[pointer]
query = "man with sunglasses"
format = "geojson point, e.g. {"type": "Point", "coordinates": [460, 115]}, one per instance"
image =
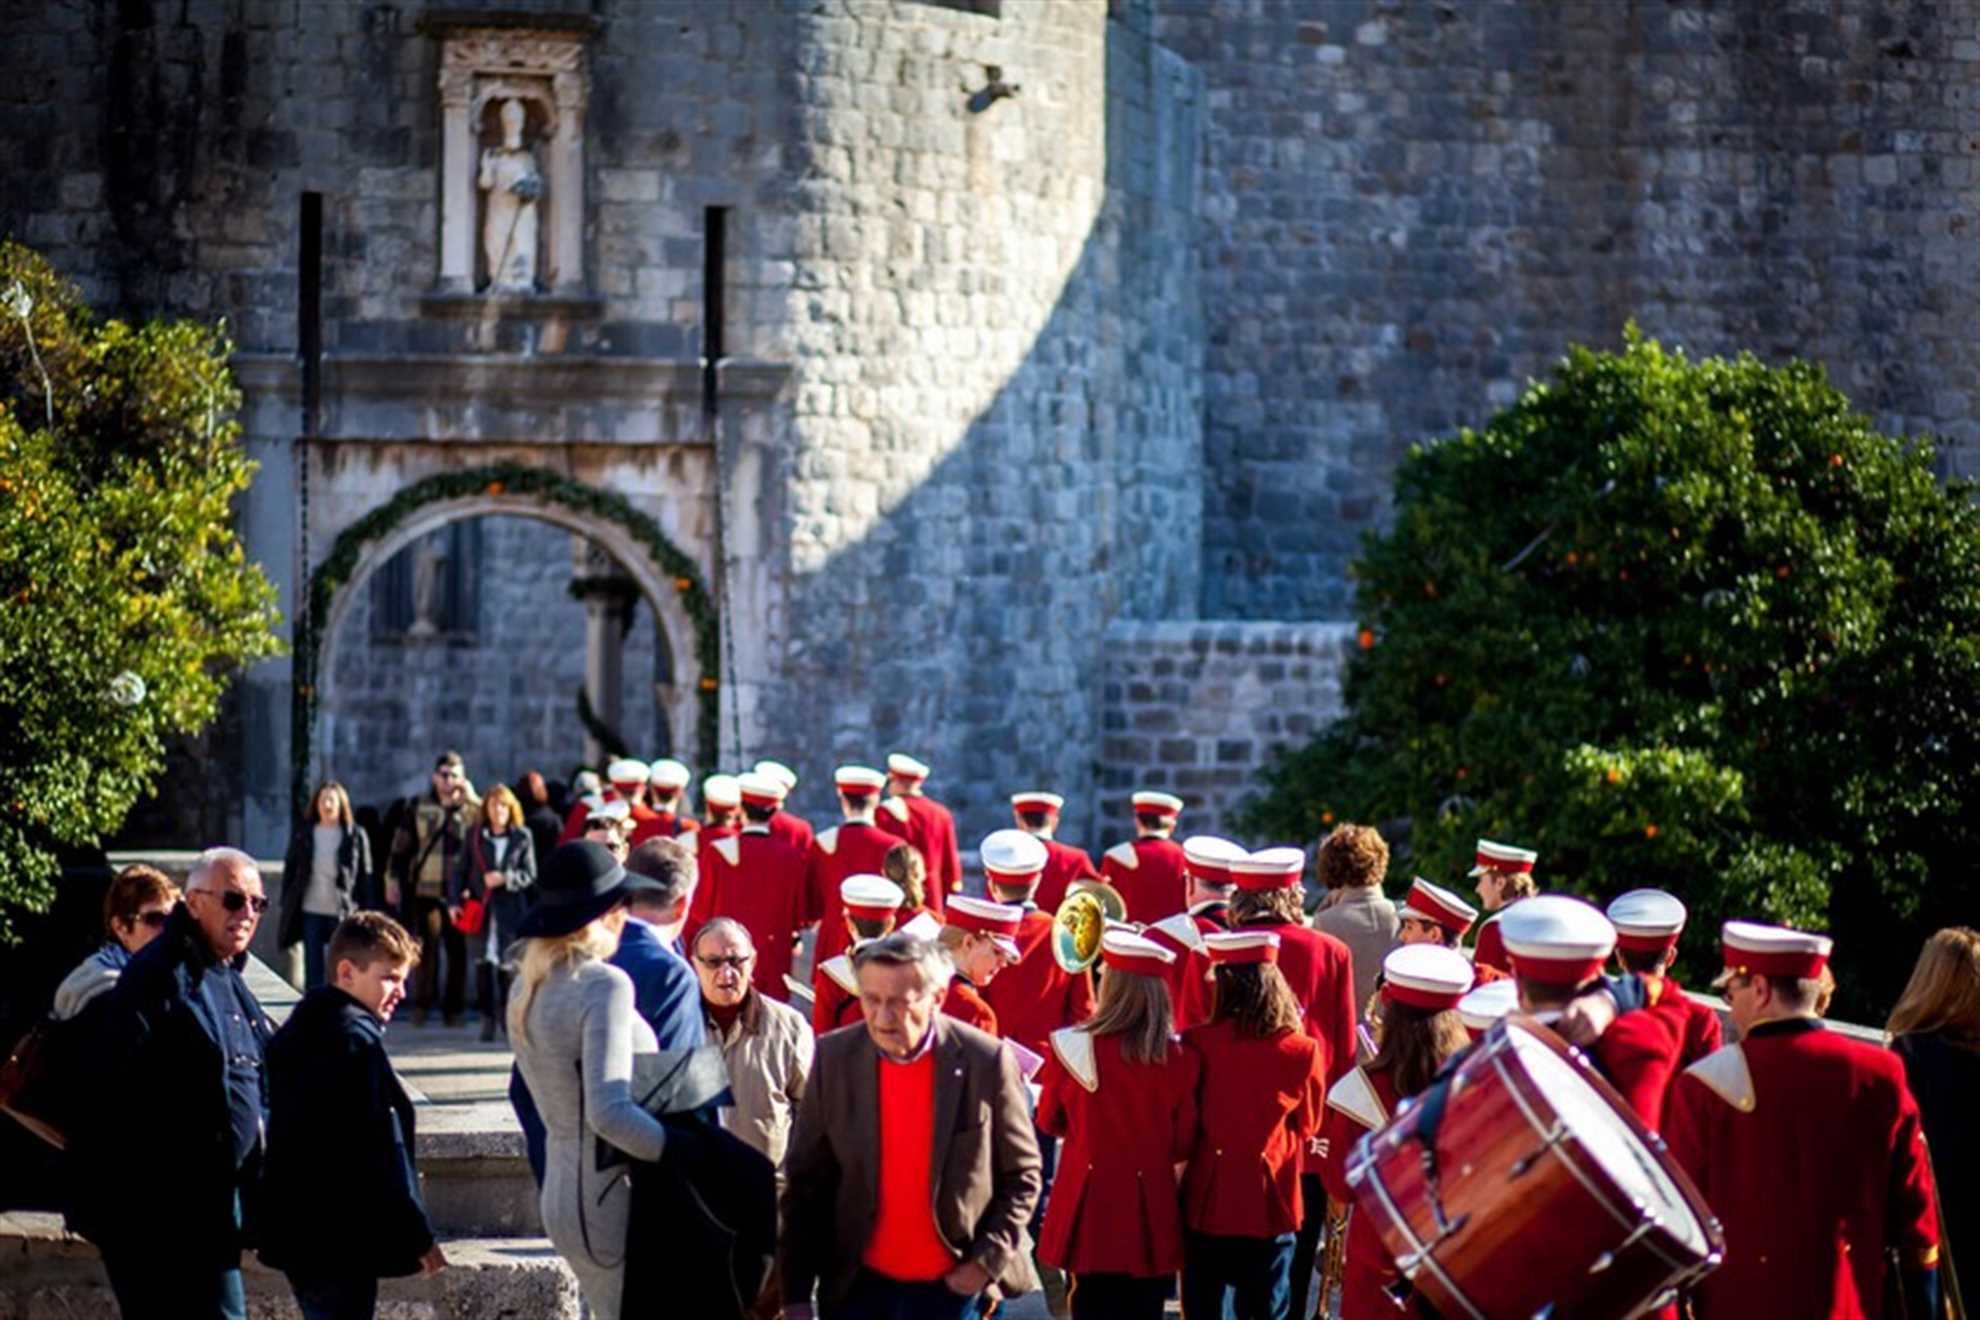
{"type": "Point", "coordinates": [182, 1036]}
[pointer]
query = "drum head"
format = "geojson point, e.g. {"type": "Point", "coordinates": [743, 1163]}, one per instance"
{"type": "Point", "coordinates": [1609, 1139]}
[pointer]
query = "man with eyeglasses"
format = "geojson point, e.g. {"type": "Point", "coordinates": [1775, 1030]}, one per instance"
{"type": "Point", "coordinates": [767, 1045]}
{"type": "Point", "coordinates": [181, 1036]}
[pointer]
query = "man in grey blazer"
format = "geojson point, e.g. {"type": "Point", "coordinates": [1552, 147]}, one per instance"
{"type": "Point", "coordinates": [913, 1168]}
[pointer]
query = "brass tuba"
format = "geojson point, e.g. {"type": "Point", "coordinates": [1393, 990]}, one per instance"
{"type": "Point", "coordinates": [1090, 906]}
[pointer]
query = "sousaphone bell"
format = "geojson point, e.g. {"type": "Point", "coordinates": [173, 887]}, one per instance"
{"type": "Point", "coordinates": [1090, 906]}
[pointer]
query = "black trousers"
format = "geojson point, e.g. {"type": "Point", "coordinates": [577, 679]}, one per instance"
{"type": "Point", "coordinates": [1119, 1296]}
{"type": "Point", "coordinates": [1306, 1246]}
{"type": "Point", "coordinates": [427, 919]}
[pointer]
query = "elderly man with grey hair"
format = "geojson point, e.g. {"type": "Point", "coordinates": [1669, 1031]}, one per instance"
{"type": "Point", "coordinates": [169, 1133]}
{"type": "Point", "coordinates": [914, 1168]}
{"type": "Point", "coordinates": [767, 1045]}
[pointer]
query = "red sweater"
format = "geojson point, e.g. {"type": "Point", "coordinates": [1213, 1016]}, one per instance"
{"type": "Point", "coordinates": [905, 1244]}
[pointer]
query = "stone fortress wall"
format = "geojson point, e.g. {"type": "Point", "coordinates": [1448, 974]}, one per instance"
{"type": "Point", "coordinates": [1070, 370]}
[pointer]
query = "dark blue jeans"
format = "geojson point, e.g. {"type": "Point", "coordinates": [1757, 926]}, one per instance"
{"type": "Point", "coordinates": [876, 1297]}
{"type": "Point", "coordinates": [1237, 1278]}
{"type": "Point", "coordinates": [152, 1284]}
{"type": "Point", "coordinates": [341, 1298]}
{"type": "Point", "coordinates": [1119, 1297]}
{"type": "Point", "coordinates": [317, 931]}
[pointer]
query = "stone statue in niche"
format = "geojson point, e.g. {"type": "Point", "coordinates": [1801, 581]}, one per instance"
{"type": "Point", "coordinates": [513, 186]}
{"type": "Point", "coordinates": [428, 563]}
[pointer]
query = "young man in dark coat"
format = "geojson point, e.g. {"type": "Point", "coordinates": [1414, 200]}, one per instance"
{"type": "Point", "coordinates": [340, 1197]}
{"type": "Point", "coordinates": [173, 1079]}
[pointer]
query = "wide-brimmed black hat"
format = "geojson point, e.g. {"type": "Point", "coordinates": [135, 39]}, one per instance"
{"type": "Point", "coordinates": [580, 883]}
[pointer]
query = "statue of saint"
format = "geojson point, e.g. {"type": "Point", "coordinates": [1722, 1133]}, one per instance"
{"type": "Point", "coordinates": [429, 560]}
{"type": "Point", "coordinates": [513, 185]}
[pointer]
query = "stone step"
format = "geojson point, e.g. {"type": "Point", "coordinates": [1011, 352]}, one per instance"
{"type": "Point", "coordinates": [47, 1272]}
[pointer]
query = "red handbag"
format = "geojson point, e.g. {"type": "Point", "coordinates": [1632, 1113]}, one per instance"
{"type": "Point", "coordinates": [473, 916]}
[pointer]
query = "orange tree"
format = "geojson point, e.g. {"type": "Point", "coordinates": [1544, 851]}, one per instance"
{"type": "Point", "coordinates": [125, 598]}
{"type": "Point", "coordinates": [1686, 624]}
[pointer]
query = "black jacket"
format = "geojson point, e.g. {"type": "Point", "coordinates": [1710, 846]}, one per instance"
{"type": "Point", "coordinates": [153, 1154]}
{"type": "Point", "coordinates": [508, 903]}
{"type": "Point", "coordinates": [355, 881]}
{"type": "Point", "coordinates": [339, 1190]}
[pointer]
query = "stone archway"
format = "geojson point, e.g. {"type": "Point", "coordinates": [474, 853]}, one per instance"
{"type": "Point", "coordinates": [666, 577]}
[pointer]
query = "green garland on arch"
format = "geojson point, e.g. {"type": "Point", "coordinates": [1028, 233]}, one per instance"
{"type": "Point", "coordinates": [500, 479]}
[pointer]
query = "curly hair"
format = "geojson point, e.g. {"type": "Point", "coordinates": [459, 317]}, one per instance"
{"type": "Point", "coordinates": [1353, 857]}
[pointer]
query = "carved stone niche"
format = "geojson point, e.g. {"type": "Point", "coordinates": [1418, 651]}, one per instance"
{"type": "Point", "coordinates": [513, 90]}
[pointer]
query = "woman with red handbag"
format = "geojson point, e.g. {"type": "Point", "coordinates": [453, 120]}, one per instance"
{"type": "Point", "coordinates": [487, 896]}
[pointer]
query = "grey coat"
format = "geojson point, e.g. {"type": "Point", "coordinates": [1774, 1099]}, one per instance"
{"type": "Point", "coordinates": [582, 1024]}
{"type": "Point", "coordinates": [1365, 920]}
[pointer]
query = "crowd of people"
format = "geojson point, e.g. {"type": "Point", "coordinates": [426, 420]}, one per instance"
{"type": "Point", "coordinates": [963, 1102]}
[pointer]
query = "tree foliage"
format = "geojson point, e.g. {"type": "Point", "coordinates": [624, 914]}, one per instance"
{"type": "Point", "coordinates": [1686, 624]}
{"type": "Point", "coordinates": [125, 598]}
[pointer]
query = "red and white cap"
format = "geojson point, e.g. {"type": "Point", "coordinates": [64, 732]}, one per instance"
{"type": "Point", "coordinates": [1177, 932]}
{"type": "Point", "coordinates": [760, 790]}
{"type": "Point", "coordinates": [1647, 920]}
{"type": "Point", "coordinates": [1242, 946]}
{"type": "Point", "coordinates": [923, 925]}
{"type": "Point", "coordinates": [1502, 857]}
{"type": "Point", "coordinates": [721, 791]}
{"type": "Point", "coordinates": [858, 780]}
{"type": "Point", "coordinates": [598, 809]}
{"type": "Point", "coordinates": [1124, 951]}
{"type": "Point", "coordinates": [1751, 949]}
{"type": "Point", "coordinates": [1208, 858]}
{"type": "Point", "coordinates": [626, 771]}
{"type": "Point", "coordinates": [1558, 939]}
{"type": "Point", "coordinates": [1011, 857]}
{"type": "Point", "coordinates": [1485, 1004]}
{"type": "Point", "coordinates": [1438, 906]}
{"type": "Point", "coordinates": [669, 774]}
{"type": "Point", "coordinates": [903, 766]}
{"type": "Point", "coordinates": [1148, 802]}
{"type": "Point", "coordinates": [586, 782]}
{"type": "Point", "coordinates": [870, 897]}
{"type": "Point", "coordinates": [1269, 868]}
{"type": "Point", "coordinates": [778, 771]}
{"type": "Point", "coordinates": [1426, 976]}
{"type": "Point", "coordinates": [999, 921]}
{"type": "Point", "coordinates": [1036, 800]}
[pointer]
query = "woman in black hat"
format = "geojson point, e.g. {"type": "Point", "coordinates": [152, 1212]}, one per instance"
{"type": "Point", "coordinates": [575, 1031]}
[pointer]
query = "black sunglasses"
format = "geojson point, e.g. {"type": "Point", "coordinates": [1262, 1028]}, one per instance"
{"type": "Point", "coordinates": [735, 960]}
{"type": "Point", "coordinates": [234, 900]}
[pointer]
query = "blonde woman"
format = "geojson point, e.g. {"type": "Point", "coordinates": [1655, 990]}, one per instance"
{"type": "Point", "coordinates": [326, 876]}
{"type": "Point", "coordinates": [575, 1031]}
{"type": "Point", "coordinates": [497, 870]}
{"type": "Point", "coordinates": [1935, 1029]}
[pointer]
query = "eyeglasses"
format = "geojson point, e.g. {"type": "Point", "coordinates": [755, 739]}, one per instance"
{"type": "Point", "coordinates": [234, 900]}
{"type": "Point", "coordinates": [735, 960]}
{"type": "Point", "coordinates": [155, 920]}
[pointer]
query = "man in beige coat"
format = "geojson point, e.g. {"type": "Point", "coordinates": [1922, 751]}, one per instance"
{"type": "Point", "coordinates": [767, 1045]}
{"type": "Point", "coordinates": [914, 1168]}
{"type": "Point", "coordinates": [1352, 861]}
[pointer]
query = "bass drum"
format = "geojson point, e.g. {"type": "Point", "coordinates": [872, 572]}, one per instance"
{"type": "Point", "coordinates": [1523, 1181]}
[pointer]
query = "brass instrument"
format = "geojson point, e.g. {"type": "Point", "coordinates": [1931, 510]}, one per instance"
{"type": "Point", "coordinates": [1333, 1259]}
{"type": "Point", "coordinates": [1090, 906]}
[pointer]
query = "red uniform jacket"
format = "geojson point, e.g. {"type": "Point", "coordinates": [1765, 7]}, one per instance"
{"type": "Point", "coordinates": [1352, 1110]}
{"type": "Point", "coordinates": [1490, 950]}
{"type": "Point", "coordinates": [1115, 1207]}
{"type": "Point", "coordinates": [851, 848]}
{"type": "Point", "coordinates": [758, 880]}
{"type": "Point", "coordinates": [1808, 1147]}
{"type": "Point", "coordinates": [1035, 996]}
{"type": "Point", "coordinates": [927, 824]}
{"type": "Point", "coordinates": [1149, 874]}
{"type": "Point", "coordinates": [1320, 971]}
{"type": "Point", "coordinates": [965, 1004]}
{"type": "Point", "coordinates": [1696, 1025]}
{"type": "Point", "coordinates": [833, 1005]}
{"type": "Point", "coordinates": [794, 830]}
{"type": "Point", "coordinates": [1063, 865]}
{"type": "Point", "coordinates": [1258, 1105]}
{"type": "Point", "coordinates": [663, 825]}
{"type": "Point", "coordinates": [1190, 986]}
{"type": "Point", "coordinates": [574, 823]}
{"type": "Point", "coordinates": [1639, 1055]}
{"type": "Point", "coordinates": [704, 839]}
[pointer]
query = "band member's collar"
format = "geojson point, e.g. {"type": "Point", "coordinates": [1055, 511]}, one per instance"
{"type": "Point", "coordinates": [1788, 1026]}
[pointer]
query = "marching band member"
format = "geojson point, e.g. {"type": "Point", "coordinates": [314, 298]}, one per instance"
{"type": "Point", "coordinates": [872, 905]}
{"type": "Point", "coordinates": [855, 846]}
{"type": "Point", "coordinates": [1431, 914]}
{"type": "Point", "coordinates": [1648, 923]}
{"type": "Point", "coordinates": [1808, 1146]}
{"type": "Point", "coordinates": [628, 779]}
{"type": "Point", "coordinates": [1504, 875]}
{"type": "Point", "coordinates": [1037, 814]}
{"type": "Point", "coordinates": [1189, 975]}
{"type": "Point", "coordinates": [1259, 1103]}
{"type": "Point", "coordinates": [1418, 1031]}
{"type": "Point", "coordinates": [585, 785]}
{"type": "Point", "coordinates": [1485, 1003]}
{"type": "Point", "coordinates": [665, 780]}
{"type": "Point", "coordinates": [721, 809]}
{"type": "Point", "coordinates": [1207, 873]}
{"type": "Point", "coordinates": [757, 879]}
{"type": "Point", "coordinates": [1557, 946]}
{"type": "Point", "coordinates": [923, 822]}
{"type": "Point", "coordinates": [792, 829]}
{"type": "Point", "coordinates": [1148, 872]}
{"type": "Point", "coordinates": [981, 938]}
{"type": "Point", "coordinates": [1036, 996]}
{"type": "Point", "coordinates": [1120, 1091]}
